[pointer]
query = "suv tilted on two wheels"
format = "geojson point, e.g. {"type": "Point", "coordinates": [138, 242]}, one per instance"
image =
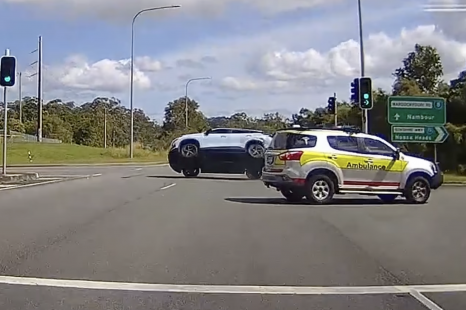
{"type": "Point", "coordinates": [319, 163]}
{"type": "Point", "coordinates": [220, 150]}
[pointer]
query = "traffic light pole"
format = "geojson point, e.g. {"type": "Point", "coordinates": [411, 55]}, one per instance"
{"type": "Point", "coordinates": [39, 92]}
{"type": "Point", "coordinates": [365, 121]}
{"type": "Point", "coordinates": [5, 123]}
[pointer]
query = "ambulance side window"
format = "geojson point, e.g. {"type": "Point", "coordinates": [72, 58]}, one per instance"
{"type": "Point", "coordinates": [343, 143]}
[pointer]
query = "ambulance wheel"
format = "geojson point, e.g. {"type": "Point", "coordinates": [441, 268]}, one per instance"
{"type": "Point", "coordinates": [320, 189]}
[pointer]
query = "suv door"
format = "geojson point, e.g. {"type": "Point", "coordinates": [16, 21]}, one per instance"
{"type": "Point", "coordinates": [217, 138]}
{"type": "Point", "coordinates": [239, 137]}
{"type": "Point", "coordinates": [383, 169]}
{"type": "Point", "coordinates": [347, 157]}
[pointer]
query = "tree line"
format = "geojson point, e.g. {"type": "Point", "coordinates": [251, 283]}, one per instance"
{"type": "Point", "coordinates": [420, 74]}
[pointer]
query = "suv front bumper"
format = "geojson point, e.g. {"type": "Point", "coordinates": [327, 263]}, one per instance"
{"type": "Point", "coordinates": [436, 181]}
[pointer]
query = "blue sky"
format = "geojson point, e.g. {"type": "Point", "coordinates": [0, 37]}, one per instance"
{"type": "Point", "coordinates": [262, 57]}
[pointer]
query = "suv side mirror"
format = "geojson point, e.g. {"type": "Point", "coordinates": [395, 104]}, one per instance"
{"type": "Point", "coordinates": [208, 131]}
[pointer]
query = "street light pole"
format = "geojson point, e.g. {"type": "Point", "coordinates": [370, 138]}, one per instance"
{"type": "Point", "coordinates": [131, 90]}
{"type": "Point", "coordinates": [186, 96]}
{"type": "Point", "coordinates": [365, 120]}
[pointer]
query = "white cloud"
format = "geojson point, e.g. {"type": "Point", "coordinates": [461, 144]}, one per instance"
{"type": "Point", "coordinates": [147, 64]}
{"type": "Point", "coordinates": [239, 84]}
{"type": "Point", "coordinates": [383, 54]}
{"type": "Point", "coordinates": [105, 75]}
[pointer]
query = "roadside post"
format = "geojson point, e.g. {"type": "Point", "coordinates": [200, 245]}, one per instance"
{"type": "Point", "coordinates": [418, 120]}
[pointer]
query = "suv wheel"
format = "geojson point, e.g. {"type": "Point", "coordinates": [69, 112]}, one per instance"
{"type": "Point", "coordinates": [320, 189]}
{"type": "Point", "coordinates": [191, 173]}
{"type": "Point", "coordinates": [292, 196]}
{"type": "Point", "coordinates": [253, 175]}
{"type": "Point", "coordinates": [256, 150]}
{"type": "Point", "coordinates": [189, 150]}
{"type": "Point", "coordinates": [417, 190]}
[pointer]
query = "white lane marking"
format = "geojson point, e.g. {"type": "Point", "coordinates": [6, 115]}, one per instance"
{"type": "Point", "coordinates": [138, 169]}
{"type": "Point", "coordinates": [425, 301]}
{"type": "Point", "coordinates": [168, 186]}
{"type": "Point", "coordinates": [96, 175]}
{"type": "Point", "coordinates": [230, 289]}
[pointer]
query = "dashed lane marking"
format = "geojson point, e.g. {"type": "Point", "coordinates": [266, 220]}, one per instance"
{"type": "Point", "coordinates": [168, 186]}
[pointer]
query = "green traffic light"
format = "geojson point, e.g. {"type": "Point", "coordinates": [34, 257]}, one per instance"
{"type": "Point", "coordinates": [366, 96]}
{"type": "Point", "coordinates": [7, 79]}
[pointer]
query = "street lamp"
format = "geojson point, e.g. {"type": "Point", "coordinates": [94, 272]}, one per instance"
{"type": "Point", "coordinates": [186, 95]}
{"type": "Point", "coordinates": [131, 90]}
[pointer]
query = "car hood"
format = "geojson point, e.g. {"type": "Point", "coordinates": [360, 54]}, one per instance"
{"type": "Point", "coordinates": [192, 135]}
{"type": "Point", "coordinates": [419, 161]}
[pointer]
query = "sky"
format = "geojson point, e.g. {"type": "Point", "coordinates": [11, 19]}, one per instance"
{"type": "Point", "coordinates": [261, 56]}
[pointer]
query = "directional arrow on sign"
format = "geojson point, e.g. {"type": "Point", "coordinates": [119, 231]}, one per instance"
{"type": "Point", "coordinates": [397, 116]}
{"type": "Point", "coordinates": [419, 134]}
{"type": "Point", "coordinates": [442, 134]}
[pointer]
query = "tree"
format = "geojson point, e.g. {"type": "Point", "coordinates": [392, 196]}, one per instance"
{"type": "Point", "coordinates": [423, 66]}
{"type": "Point", "coordinates": [175, 116]}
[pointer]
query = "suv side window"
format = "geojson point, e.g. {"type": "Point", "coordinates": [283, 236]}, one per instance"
{"type": "Point", "coordinates": [343, 143]}
{"type": "Point", "coordinates": [376, 147]}
{"type": "Point", "coordinates": [220, 131]}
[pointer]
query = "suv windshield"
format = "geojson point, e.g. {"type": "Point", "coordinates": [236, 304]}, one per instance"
{"type": "Point", "coordinates": [288, 140]}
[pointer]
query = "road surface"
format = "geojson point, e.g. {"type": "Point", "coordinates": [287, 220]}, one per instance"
{"type": "Point", "coordinates": [218, 234]}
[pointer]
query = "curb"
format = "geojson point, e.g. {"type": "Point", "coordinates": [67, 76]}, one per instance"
{"type": "Point", "coordinates": [18, 177]}
{"type": "Point", "coordinates": [53, 181]}
{"type": "Point", "coordinates": [87, 165]}
{"type": "Point", "coordinates": [454, 184]}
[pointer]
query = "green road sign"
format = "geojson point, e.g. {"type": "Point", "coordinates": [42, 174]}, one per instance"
{"type": "Point", "coordinates": [416, 110]}
{"type": "Point", "coordinates": [421, 134]}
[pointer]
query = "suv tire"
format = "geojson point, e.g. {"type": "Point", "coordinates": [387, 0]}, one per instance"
{"type": "Point", "coordinates": [191, 173]}
{"type": "Point", "coordinates": [320, 189]}
{"type": "Point", "coordinates": [292, 196]}
{"type": "Point", "coordinates": [253, 175]}
{"type": "Point", "coordinates": [256, 150]}
{"type": "Point", "coordinates": [417, 190]}
{"type": "Point", "coordinates": [189, 150]}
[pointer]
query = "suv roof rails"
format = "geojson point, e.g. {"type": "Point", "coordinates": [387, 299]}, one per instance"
{"type": "Point", "coordinates": [348, 129]}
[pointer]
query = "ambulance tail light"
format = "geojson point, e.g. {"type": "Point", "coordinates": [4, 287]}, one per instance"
{"type": "Point", "coordinates": [295, 155]}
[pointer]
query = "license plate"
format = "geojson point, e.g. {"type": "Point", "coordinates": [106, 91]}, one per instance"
{"type": "Point", "coordinates": [270, 159]}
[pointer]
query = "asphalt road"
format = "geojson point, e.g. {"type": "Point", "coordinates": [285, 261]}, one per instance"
{"type": "Point", "coordinates": [218, 234]}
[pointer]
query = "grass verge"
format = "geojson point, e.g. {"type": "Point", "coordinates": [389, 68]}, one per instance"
{"type": "Point", "coordinates": [42, 153]}
{"type": "Point", "coordinates": [454, 179]}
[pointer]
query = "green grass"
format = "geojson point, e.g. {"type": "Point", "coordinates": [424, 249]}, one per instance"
{"type": "Point", "coordinates": [42, 153]}
{"type": "Point", "coordinates": [455, 179]}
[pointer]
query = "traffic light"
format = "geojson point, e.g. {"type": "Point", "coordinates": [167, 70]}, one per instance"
{"type": "Point", "coordinates": [355, 91]}
{"type": "Point", "coordinates": [7, 71]}
{"type": "Point", "coordinates": [332, 101]}
{"type": "Point", "coordinates": [365, 93]}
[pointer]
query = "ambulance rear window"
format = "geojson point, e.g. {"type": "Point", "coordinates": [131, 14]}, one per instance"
{"type": "Point", "coordinates": [288, 140]}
